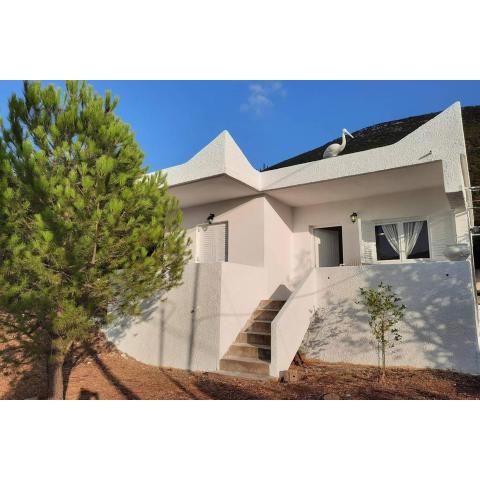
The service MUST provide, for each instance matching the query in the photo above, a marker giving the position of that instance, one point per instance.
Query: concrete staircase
(249, 355)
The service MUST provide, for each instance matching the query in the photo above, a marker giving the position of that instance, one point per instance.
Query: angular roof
(388, 133)
(220, 171)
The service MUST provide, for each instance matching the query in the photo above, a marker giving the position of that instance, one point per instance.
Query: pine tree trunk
(55, 378)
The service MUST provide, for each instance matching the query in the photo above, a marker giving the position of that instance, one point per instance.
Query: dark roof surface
(388, 133)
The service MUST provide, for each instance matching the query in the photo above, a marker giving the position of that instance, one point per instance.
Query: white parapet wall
(291, 323)
(193, 327)
(181, 331)
(439, 329)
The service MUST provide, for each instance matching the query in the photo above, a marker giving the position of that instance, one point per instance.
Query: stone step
(258, 338)
(247, 350)
(264, 314)
(245, 365)
(263, 326)
(273, 304)
(249, 376)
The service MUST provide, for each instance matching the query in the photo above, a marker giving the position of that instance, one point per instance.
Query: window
(402, 240)
(212, 243)
(387, 242)
(416, 234)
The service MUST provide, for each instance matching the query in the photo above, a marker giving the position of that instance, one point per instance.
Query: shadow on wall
(282, 292)
(123, 323)
(438, 330)
(337, 321)
(303, 265)
(193, 320)
(169, 327)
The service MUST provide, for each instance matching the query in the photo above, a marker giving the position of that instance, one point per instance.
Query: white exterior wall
(220, 156)
(461, 226)
(245, 217)
(439, 330)
(193, 328)
(291, 323)
(181, 332)
(278, 248)
(259, 234)
(420, 203)
(271, 252)
(242, 288)
(200, 319)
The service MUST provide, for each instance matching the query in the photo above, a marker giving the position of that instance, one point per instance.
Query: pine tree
(85, 233)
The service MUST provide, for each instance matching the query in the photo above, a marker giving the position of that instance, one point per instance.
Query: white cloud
(279, 88)
(262, 96)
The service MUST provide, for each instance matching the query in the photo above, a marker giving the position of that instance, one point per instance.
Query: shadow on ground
(112, 375)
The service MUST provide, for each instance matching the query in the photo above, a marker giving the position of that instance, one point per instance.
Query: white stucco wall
(271, 251)
(242, 288)
(278, 248)
(245, 217)
(400, 205)
(439, 330)
(259, 234)
(291, 323)
(221, 156)
(265, 232)
(181, 332)
(461, 226)
(193, 328)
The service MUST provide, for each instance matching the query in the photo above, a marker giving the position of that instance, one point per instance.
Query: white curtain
(391, 235)
(411, 231)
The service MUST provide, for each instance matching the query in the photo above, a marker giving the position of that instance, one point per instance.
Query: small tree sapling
(386, 311)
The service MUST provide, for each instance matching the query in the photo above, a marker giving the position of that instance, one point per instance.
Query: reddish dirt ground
(107, 374)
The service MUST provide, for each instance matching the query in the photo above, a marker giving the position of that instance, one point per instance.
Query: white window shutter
(212, 243)
(442, 233)
(368, 247)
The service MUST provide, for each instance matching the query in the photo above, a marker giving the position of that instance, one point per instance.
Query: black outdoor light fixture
(353, 217)
(210, 218)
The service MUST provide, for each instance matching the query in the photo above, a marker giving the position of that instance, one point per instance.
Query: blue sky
(270, 120)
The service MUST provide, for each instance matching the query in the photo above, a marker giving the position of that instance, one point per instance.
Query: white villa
(279, 256)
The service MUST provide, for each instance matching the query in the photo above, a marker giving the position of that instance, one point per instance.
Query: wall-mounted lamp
(210, 218)
(353, 217)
